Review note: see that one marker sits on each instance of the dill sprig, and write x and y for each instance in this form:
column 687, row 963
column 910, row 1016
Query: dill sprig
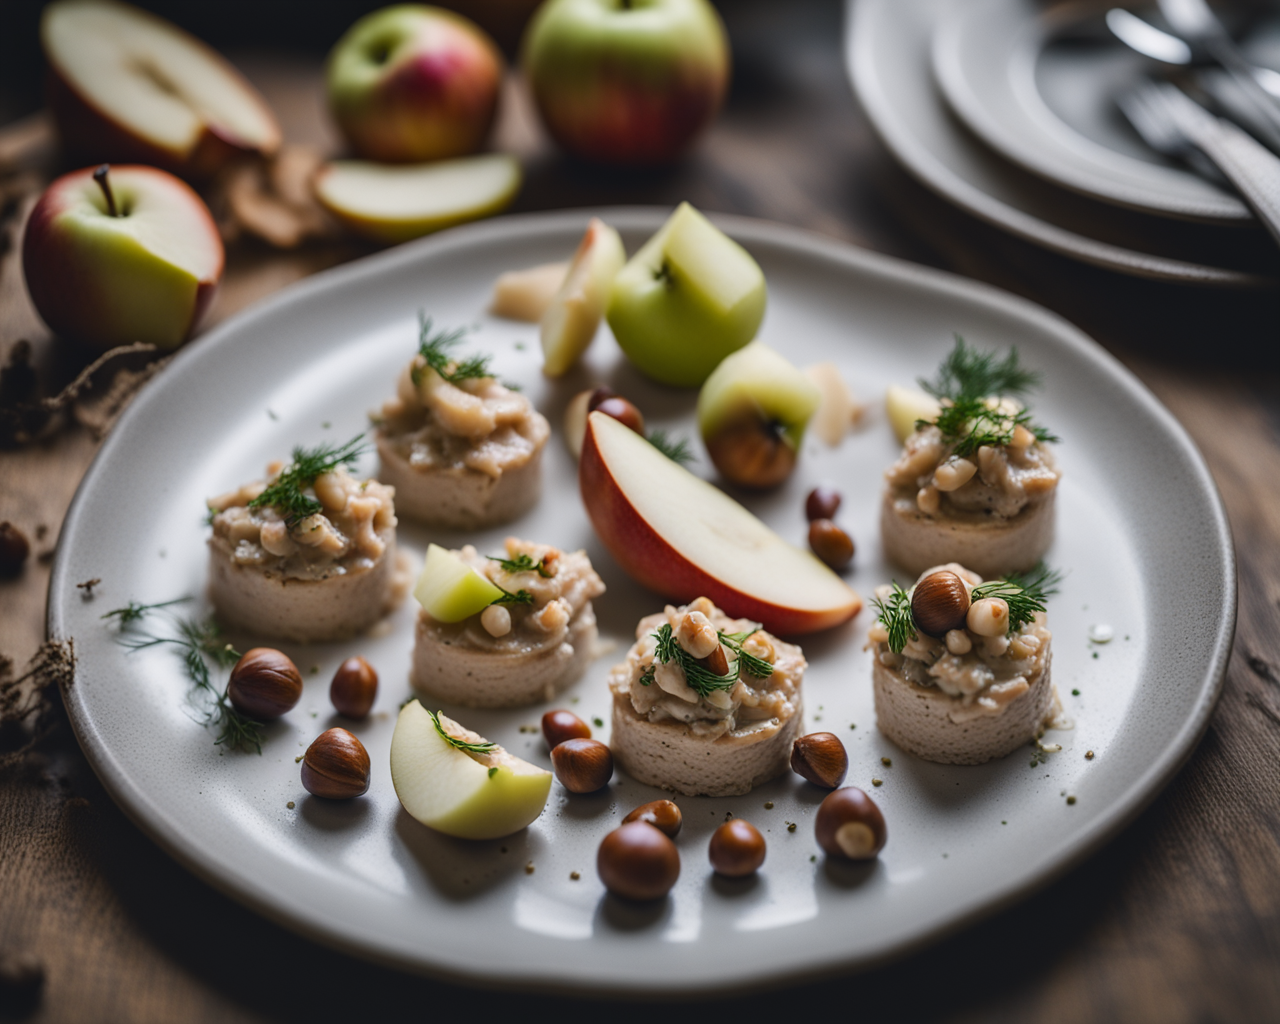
column 701, row 679
column 680, row 452
column 521, row 596
column 749, row 663
column 287, row 494
column 894, row 611
column 199, row 642
column 522, row 563
column 435, row 352
column 648, row 675
column 453, row 741
column 1024, row 593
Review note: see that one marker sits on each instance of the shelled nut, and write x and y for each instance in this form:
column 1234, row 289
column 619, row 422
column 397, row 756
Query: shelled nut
column 821, row 758
column 830, row 543
column 663, row 815
column 582, row 765
column 336, row 766
column 354, row 688
column 850, row 825
column 737, row 849
column 264, row 684
column 637, row 862
column 822, row 503
column 558, row 726
column 940, row 603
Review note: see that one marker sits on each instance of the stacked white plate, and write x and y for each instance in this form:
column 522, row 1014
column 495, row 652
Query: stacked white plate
column 1006, row 109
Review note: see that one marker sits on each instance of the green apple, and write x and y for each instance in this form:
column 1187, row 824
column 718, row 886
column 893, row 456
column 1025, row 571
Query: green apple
column 449, row 590
column 688, row 298
column 573, row 316
column 752, row 413
column 461, row 790
column 114, row 256
column 905, row 406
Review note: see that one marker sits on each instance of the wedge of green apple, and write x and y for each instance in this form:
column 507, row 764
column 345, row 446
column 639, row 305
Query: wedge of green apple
column 456, row 782
column 688, row 298
column 904, row 406
column 573, row 315
column 525, row 294
column 449, row 590
column 394, row 202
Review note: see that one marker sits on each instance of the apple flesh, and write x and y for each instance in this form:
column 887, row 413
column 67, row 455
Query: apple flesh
column 125, row 85
column 526, row 294
column 411, row 83
column 393, row 203
column 678, row 535
column 752, row 413
column 449, row 590
column 147, row 274
column 838, row 411
column 459, row 793
column 904, row 406
column 687, row 299
column 573, row 316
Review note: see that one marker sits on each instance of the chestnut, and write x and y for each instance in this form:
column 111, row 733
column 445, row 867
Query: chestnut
column 830, row 543
column 637, row 862
column 737, row 849
column 850, row 825
column 336, row 766
column 558, row 726
column 820, row 757
column 354, row 688
column 582, row 765
column 264, row 684
column 663, row 815
column 822, row 503
column 940, row 603
column 752, row 452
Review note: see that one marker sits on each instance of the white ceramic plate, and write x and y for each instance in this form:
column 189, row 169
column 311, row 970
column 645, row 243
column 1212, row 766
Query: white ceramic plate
column 1142, row 538
column 888, row 52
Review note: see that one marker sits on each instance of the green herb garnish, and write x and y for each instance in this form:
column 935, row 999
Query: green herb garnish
column 434, row 350
column 894, row 611
column 522, row 563
column 680, row 452
column 701, row 679
column 648, row 675
column 286, row 492
column 1024, row 593
column 521, row 596
column 754, row 666
column 453, row 741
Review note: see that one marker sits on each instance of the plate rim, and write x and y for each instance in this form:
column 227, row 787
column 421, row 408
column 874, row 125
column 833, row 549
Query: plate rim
column 144, row 812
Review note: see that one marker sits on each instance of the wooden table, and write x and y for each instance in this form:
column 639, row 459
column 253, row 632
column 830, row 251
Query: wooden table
column 1178, row 919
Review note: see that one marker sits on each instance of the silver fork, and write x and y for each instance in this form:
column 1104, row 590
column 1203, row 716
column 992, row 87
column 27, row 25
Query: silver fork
column 1172, row 123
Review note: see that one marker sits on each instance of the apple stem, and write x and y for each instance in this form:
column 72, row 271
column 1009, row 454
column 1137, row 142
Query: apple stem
column 100, row 176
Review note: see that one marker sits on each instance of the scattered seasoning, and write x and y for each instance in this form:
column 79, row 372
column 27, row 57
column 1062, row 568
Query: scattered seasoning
column 1004, row 823
column 1101, row 633
column 944, row 856
column 528, row 868
column 1070, row 800
column 791, row 826
column 1075, row 693
column 853, row 725
column 574, row 700
column 574, row 876
column 520, row 348
column 314, row 714
column 290, row 805
column 813, row 858
column 326, row 425
column 887, row 762
column 1095, row 654
column 768, row 805
column 817, row 718
column 598, row 723
column 1088, row 755
column 315, row 670
column 877, row 782
column 299, row 757
column 1126, row 636
column 728, row 815
column 88, row 585
column 272, row 415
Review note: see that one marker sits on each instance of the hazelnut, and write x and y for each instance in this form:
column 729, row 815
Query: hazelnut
column 558, row 726
column 354, row 687
column 850, row 825
column 751, row 452
column 663, row 815
column 820, row 757
column 14, row 549
column 336, row 766
column 618, row 408
column 637, row 862
column 940, row 603
column 264, row 684
column 737, row 849
column 830, row 543
column 822, row 503
column 582, row 765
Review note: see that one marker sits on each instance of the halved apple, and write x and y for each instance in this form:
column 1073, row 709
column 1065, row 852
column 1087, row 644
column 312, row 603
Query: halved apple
column 526, row 294
column 125, row 85
column 460, row 792
column 573, row 316
column 396, row 202
column 449, row 590
column 677, row 534
column 905, row 406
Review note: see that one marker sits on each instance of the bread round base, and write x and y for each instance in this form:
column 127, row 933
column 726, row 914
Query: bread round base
column 665, row 754
column 918, row 719
column 459, row 497
column 270, row 605
column 459, row 674
column 990, row 547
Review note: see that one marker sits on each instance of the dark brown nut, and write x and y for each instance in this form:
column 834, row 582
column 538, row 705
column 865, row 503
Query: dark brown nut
column 716, row 662
column 940, row 603
column 822, row 503
column 820, row 757
column 264, row 684
column 582, row 766
column 850, row 825
column 354, row 688
column 623, row 411
column 663, row 815
column 336, row 766
column 830, row 543
column 558, row 726
column 751, row 452
column 737, row 849
column 637, row 862
column 14, row 549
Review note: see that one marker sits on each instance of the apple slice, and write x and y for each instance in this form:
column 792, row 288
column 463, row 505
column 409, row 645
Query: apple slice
column 393, row 203
column 677, row 534
column 526, row 294
column 906, row 405
column 449, row 590
column 573, row 317
column 125, row 85
column 447, row 779
column 838, row 411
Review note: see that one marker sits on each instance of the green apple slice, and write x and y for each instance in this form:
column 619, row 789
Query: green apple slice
column 718, row 272
column 473, row 791
column 906, row 405
column 449, row 590
column 573, row 316
column 757, row 383
column 393, row 203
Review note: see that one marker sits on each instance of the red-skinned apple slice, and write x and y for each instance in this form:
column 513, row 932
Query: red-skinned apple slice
column 677, row 534
column 125, row 85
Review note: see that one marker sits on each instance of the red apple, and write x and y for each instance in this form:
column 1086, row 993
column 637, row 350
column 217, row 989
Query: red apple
column 114, row 258
column 630, row 82
column 412, row 83
column 677, row 534
column 126, row 85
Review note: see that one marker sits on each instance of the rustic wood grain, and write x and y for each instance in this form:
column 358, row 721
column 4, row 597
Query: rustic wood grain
column 1178, row 919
